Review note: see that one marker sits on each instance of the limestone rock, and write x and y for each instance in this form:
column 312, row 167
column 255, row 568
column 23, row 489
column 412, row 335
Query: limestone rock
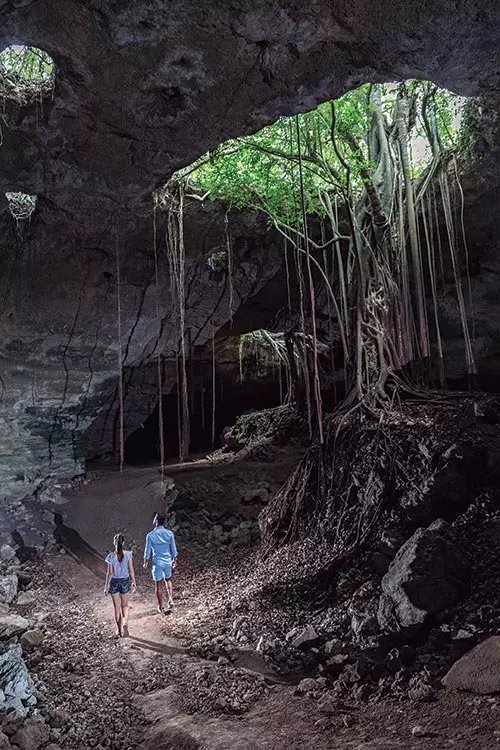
column 307, row 638
column 363, row 610
column 33, row 735
column 12, row 625
column 31, row 639
column 428, row 575
column 7, row 552
column 478, row 671
column 8, row 588
column 307, row 685
column 59, row 717
column 14, row 679
column 25, row 598
column 13, row 721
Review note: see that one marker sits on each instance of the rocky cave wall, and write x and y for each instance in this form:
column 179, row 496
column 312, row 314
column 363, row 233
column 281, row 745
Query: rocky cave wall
column 142, row 88
column 59, row 341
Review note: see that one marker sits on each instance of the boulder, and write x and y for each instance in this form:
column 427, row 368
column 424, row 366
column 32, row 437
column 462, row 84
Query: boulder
column 32, row 639
column 363, row 610
column 25, row 598
column 4, row 742
column 8, row 588
column 7, row 553
column 307, row 638
column 307, row 685
column 12, row 722
column 33, row 735
column 478, row 671
column 428, row 575
column 12, row 625
column 59, row 717
column 14, row 679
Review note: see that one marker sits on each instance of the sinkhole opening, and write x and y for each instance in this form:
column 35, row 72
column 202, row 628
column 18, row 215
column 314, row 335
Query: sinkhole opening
column 21, row 205
column 27, row 74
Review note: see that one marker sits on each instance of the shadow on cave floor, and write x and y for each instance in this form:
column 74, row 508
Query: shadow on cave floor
column 78, row 548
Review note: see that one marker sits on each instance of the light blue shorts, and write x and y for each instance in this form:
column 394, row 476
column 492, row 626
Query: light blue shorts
column 162, row 571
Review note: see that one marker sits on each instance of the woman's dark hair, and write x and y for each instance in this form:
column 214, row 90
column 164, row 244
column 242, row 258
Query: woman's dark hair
column 118, row 540
column 160, row 519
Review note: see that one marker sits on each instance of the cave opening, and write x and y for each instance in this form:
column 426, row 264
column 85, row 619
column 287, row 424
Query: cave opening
column 27, row 74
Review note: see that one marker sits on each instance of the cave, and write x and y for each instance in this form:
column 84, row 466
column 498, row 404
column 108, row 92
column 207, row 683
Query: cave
column 250, row 289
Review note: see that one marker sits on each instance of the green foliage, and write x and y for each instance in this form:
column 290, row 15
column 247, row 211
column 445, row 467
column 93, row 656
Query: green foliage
column 260, row 171
column 26, row 73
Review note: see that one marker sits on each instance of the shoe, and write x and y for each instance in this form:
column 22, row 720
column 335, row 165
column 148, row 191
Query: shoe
column 160, row 611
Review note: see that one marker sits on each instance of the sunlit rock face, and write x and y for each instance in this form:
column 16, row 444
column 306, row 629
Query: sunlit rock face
column 143, row 88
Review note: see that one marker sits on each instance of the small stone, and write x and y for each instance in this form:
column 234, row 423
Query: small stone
column 59, row 717
column 32, row 639
column 332, row 646
column 419, row 731
column 7, row 553
column 306, row 639
column 33, row 735
column 463, row 635
column 8, row 588
column 12, row 625
column 307, row 685
column 25, row 598
column 13, row 722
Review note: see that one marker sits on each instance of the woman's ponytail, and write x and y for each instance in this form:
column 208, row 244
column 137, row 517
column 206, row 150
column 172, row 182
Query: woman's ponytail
column 118, row 540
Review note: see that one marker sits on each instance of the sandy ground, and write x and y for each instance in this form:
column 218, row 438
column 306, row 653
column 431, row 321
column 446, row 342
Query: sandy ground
column 79, row 618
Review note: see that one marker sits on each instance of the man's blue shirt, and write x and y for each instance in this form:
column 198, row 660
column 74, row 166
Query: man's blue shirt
column 160, row 542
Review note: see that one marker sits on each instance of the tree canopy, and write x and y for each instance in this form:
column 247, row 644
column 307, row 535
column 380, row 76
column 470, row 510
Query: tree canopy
column 260, row 171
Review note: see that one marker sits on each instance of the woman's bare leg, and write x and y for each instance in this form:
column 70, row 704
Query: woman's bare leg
column 118, row 613
column 125, row 608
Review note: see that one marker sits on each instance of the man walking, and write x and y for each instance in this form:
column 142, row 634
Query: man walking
column 161, row 544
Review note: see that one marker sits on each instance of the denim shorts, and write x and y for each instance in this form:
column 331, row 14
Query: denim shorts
column 119, row 586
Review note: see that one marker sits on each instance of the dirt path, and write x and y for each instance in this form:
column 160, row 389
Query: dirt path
column 148, row 690
column 128, row 693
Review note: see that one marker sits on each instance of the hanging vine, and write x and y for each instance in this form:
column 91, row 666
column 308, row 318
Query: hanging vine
column 378, row 264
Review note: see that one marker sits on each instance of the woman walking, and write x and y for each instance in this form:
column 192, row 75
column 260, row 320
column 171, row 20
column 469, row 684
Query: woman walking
column 120, row 582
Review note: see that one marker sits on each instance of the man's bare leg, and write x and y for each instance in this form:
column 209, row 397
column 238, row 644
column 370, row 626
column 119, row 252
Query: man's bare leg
column 170, row 591
column 159, row 595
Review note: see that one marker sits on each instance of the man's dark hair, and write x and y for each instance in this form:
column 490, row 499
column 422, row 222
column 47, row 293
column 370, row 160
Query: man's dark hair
column 160, row 519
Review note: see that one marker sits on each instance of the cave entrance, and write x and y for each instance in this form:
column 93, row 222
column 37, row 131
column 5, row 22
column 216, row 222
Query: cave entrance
column 27, row 74
column 232, row 398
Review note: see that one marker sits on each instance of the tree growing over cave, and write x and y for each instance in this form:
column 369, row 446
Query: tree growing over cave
column 376, row 171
